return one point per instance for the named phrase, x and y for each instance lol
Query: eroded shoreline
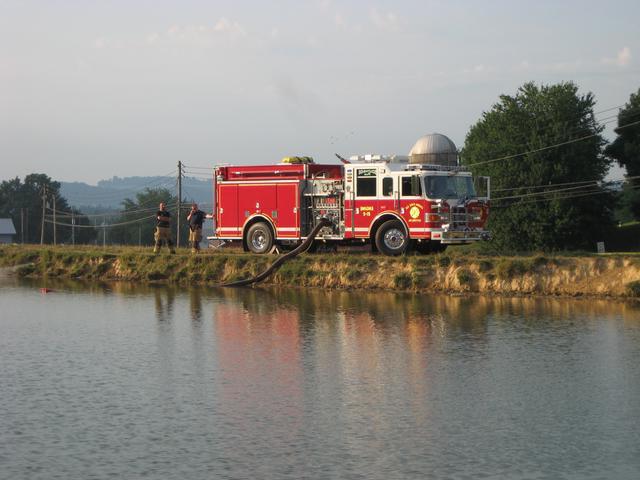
(616, 276)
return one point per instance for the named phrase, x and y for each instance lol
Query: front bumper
(447, 236)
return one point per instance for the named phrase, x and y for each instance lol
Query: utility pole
(22, 225)
(104, 231)
(179, 214)
(73, 228)
(139, 236)
(44, 206)
(54, 220)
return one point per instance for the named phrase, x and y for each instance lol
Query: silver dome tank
(434, 149)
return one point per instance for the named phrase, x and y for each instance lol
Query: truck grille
(459, 217)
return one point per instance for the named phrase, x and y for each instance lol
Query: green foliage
(625, 149)
(402, 281)
(444, 261)
(139, 218)
(634, 288)
(464, 276)
(485, 265)
(509, 268)
(22, 202)
(534, 118)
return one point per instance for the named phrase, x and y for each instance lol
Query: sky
(90, 90)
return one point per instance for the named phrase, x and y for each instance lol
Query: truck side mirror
(483, 187)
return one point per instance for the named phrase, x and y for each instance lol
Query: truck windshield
(449, 187)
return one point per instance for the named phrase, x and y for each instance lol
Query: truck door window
(411, 186)
(366, 182)
(387, 186)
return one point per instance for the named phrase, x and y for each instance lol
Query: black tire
(392, 238)
(259, 238)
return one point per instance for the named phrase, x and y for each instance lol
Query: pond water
(100, 381)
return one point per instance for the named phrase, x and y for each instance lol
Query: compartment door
(287, 218)
(227, 211)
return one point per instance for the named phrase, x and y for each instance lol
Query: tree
(533, 213)
(23, 201)
(138, 220)
(625, 149)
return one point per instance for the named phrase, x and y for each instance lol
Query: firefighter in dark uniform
(163, 229)
(196, 219)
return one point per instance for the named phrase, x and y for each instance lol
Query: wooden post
(44, 206)
(179, 213)
(55, 242)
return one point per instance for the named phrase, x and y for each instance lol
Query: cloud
(622, 58)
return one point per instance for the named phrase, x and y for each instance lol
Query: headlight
(476, 214)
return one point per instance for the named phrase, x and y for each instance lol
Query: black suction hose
(303, 247)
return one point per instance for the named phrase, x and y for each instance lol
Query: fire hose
(303, 247)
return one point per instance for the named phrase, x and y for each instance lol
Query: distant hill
(109, 194)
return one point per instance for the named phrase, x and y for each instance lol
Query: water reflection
(195, 304)
(164, 299)
(283, 383)
(462, 313)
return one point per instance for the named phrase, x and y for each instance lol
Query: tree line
(544, 151)
(542, 147)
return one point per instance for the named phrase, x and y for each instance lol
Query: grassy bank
(457, 271)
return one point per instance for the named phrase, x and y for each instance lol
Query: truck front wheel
(259, 238)
(392, 238)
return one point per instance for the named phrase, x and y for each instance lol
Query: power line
(193, 167)
(534, 194)
(67, 213)
(508, 157)
(587, 184)
(562, 197)
(101, 225)
(493, 190)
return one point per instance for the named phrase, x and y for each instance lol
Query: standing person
(196, 219)
(163, 229)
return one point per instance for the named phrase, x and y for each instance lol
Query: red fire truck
(386, 201)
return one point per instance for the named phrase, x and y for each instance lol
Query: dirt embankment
(601, 276)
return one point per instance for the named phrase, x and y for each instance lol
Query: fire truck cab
(390, 202)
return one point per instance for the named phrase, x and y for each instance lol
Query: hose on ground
(303, 247)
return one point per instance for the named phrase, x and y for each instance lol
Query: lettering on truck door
(412, 204)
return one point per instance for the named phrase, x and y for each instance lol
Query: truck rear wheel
(392, 238)
(259, 238)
